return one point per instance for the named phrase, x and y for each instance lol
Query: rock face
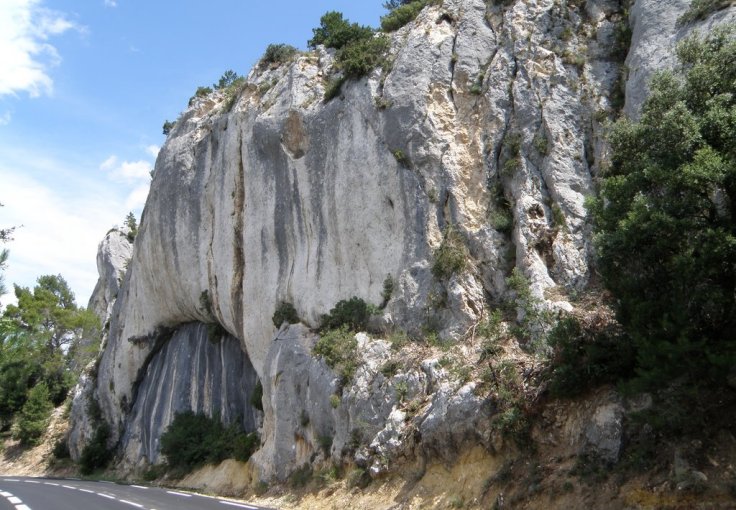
(654, 36)
(113, 256)
(490, 120)
(196, 370)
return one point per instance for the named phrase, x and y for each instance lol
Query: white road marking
(51, 483)
(21, 507)
(6, 494)
(106, 495)
(139, 487)
(87, 490)
(14, 500)
(30, 481)
(69, 487)
(237, 504)
(130, 503)
(179, 494)
(10, 480)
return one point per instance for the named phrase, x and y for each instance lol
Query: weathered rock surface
(491, 119)
(309, 416)
(196, 370)
(655, 34)
(113, 255)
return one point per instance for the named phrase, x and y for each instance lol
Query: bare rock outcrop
(486, 129)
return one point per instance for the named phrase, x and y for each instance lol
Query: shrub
(61, 449)
(228, 79)
(362, 56)
(95, 454)
(203, 91)
(665, 224)
(700, 9)
(301, 476)
(511, 418)
(352, 313)
(34, 415)
(359, 478)
(333, 88)
(168, 126)
(285, 312)
(232, 92)
(388, 290)
(401, 158)
(193, 439)
(402, 15)
(325, 443)
(541, 143)
(336, 32)
(334, 401)
(502, 220)
(339, 349)
(490, 330)
(278, 54)
(452, 256)
(588, 356)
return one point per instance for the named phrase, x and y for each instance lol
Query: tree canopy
(666, 230)
(43, 339)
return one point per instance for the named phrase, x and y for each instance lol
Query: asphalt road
(23, 493)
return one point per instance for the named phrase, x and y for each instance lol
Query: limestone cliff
(490, 119)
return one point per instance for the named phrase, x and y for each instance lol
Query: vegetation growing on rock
(196, 439)
(666, 234)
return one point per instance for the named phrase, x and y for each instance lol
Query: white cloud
(153, 150)
(5, 119)
(111, 3)
(60, 229)
(130, 172)
(25, 54)
(137, 174)
(65, 213)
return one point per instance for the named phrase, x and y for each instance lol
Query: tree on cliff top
(665, 221)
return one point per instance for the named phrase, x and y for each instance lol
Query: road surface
(24, 493)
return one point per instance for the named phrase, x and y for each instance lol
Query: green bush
(203, 92)
(34, 415)
(336, 32)
(362, 56)
(96, 454)
(61, 449)
(352, 313)
(665, 227)
(168, 126)
(333, 88)
(339, 349)
(452, 256)
(700, 9)
(196, 439)
(301, 476)
(228, 79)
(585, 357)
(388, 290)
(402, 15)
(278, 54)
(359, 50)
(285, 312)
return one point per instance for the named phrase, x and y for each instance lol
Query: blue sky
(85, 87)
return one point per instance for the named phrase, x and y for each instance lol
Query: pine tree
(34, 417)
